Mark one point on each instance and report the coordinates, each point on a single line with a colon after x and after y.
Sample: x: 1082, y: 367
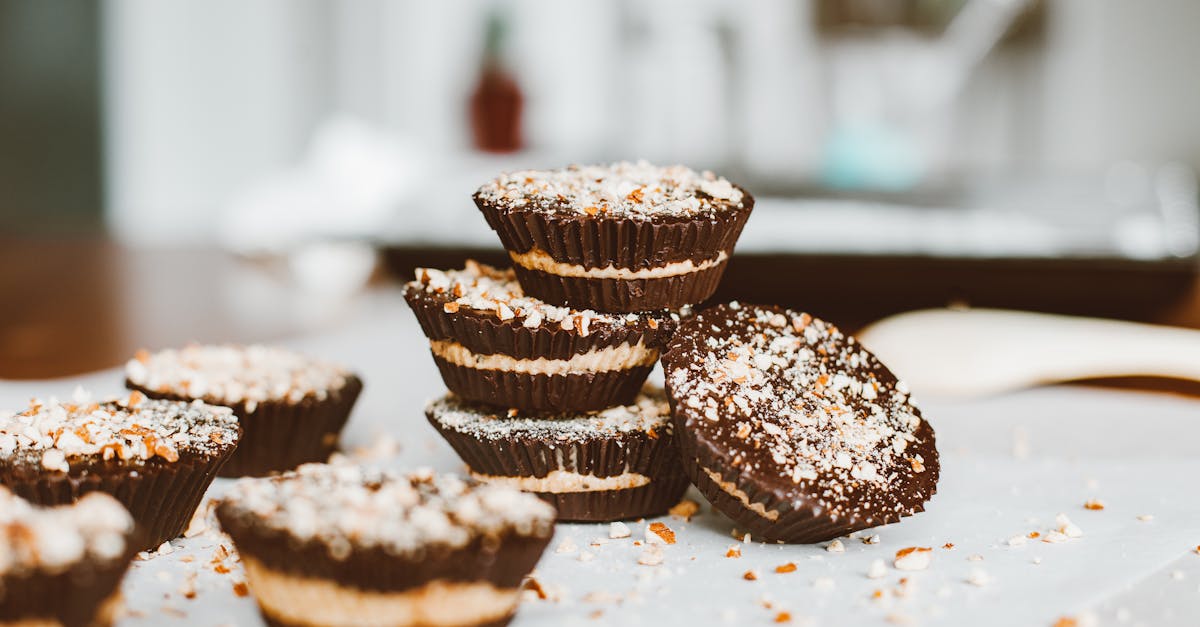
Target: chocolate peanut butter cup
x: 343, y: 545
x: 63, y: 565
x: 615, y: 464
x: 792, y: 428
x: 156, y: 457
x: 495, y: 345
x: 291, y: 407
x: 619, y: 238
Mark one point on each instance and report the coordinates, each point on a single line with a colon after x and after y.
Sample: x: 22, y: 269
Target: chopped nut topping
x: 789, y: 567
x: 735, y: 551
x: 750, y: 575
x: 685, y: 509
x: 835, y: 547
x: 651, y: 556
x: 913, y: 558
x: 877, y: 569
x: 1093, y: 504
x: 658, y: 533
x: 619, y: 530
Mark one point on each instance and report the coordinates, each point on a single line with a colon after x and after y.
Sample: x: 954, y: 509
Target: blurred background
x: 231, y: 170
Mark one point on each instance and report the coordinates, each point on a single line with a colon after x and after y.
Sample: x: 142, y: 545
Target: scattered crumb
x: 659, y: 533
x: 586, y: 556
x: 532, y: 585
x: 566, y: 546
x: 977, y: 577
x: 899, y: 619
x: 750, y: 575
x: 783, y: 617
x: 599, y: 541
x: 188, y: 587
x: 1020, y: 443
x: 789, y: 567
x: 596, y: 614
x: 1037, y: 560
x: 735, y: 551
x: 1016, y: 541
x: 1145, y: 517
x: 877, y: 570
x: 1093, y: 504
x: 746, y: 538
x: 974, y: 557
x: 914, y: 558
x: 1055, y: 537
x: 949, y: 546
x: 1066, y: 621
x: 240, y: 588
x: 651, y: 556
x: 685, y: 509
x: 619, y: 530
x: 199, y: 521
x: 1066, y: 527
x: 871, y: 539
x: 836, y: 547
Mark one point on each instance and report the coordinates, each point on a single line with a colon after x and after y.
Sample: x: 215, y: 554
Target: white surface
x: 976, y: 352
x: 1136, y: 452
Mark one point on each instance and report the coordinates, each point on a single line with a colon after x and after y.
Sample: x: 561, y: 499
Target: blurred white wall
x: 204, y: 97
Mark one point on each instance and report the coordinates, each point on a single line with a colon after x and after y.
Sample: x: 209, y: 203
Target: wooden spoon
x: 976, y: 352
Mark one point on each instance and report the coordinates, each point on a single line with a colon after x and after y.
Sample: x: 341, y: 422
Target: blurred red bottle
x: 496, y: 101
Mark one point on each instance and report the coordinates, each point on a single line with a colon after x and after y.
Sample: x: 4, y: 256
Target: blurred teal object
x: 871, y: 157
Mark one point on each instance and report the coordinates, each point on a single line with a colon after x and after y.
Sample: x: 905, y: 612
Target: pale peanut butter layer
x: 623, y: 357
x: 540, y: 260
x: 738, y: 494
x: 565, y: 481
x: 312, y: 601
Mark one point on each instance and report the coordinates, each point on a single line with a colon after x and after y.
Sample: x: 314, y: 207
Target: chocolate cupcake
x: 342, y: 545
x: 614, y: 464
x: 156, y: 457
x: 493, y: 344
x: 292, y: 408
x: 793, y: 429
x: 620, y: 238
x: 63, y: 565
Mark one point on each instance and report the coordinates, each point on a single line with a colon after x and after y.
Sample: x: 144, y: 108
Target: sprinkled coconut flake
x: 620, y: 190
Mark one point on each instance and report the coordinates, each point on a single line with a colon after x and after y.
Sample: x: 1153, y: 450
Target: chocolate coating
x: 612, y: 443
x: 279, y: 435
x: 793, y: 429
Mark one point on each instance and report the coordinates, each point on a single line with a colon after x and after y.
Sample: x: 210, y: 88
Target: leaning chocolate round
x: 793, y: 429
x: 63, y: 565
x: 615, y: 464
x: 495, y: 345
x: 156, y: 457
x: 621, y: 237
x: 291, y: 407
x: 344, y: 545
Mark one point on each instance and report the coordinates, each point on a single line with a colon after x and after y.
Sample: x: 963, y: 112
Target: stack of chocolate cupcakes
x: 546, y: 362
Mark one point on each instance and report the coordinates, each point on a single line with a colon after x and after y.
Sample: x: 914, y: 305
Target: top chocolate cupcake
x: 622, y: 237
